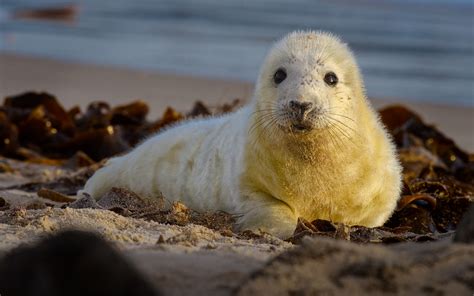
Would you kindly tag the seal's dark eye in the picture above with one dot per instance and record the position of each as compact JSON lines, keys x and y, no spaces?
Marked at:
{"x":331,"y":79}
{"x":279,"y":76}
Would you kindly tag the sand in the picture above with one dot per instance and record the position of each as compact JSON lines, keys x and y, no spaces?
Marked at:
{"x":194,"y":260}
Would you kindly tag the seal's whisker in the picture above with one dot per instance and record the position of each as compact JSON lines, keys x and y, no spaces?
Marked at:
{"x":263,"y":117}
{"x":342,"y":144}
{"x":336,"y":125}
{"x":259,"y":128}
{"x":333,"y":139}
{"x":347,"y":117}
{"x":264,"y":122}
{"x":341,"y":122}
{"x":264,"y":110}
{"x":271,"y":107}
{"x":255,"y":125}
{"x":337,"y":135}
{"x":343,"y":132}
{"x":271,"y":120}
{"x":266,"y":126}
{"x":258,"y":117}
{"x":259,"y":121}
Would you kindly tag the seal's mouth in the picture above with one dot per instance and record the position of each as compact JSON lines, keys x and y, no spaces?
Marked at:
{"x":294,"y":126}
{"x":304,"y":122}
{"x":301,"y":127}
{"x":300,"y":118}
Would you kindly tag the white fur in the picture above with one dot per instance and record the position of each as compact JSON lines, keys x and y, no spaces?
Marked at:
{"x":246,"y":163}
{"x":194,"y":162}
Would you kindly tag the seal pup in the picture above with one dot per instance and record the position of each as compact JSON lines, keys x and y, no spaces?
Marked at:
{"x":308,"y":145}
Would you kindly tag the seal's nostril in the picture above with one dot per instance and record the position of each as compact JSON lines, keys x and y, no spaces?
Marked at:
{"x":306,"y":105}
{"x":300,"y":106}
{"x":294,"y":105}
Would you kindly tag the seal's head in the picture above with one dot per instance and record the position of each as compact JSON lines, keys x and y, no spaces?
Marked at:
{"x":309,"y":83}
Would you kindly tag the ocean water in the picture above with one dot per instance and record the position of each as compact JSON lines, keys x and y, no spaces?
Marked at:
{"x":415,"y":50}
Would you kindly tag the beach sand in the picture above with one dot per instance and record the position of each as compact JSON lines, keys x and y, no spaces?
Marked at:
{"x":195,"y":260}
{"x":79,"y":84}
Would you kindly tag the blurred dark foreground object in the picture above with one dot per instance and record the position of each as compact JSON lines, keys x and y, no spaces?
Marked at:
{"x":465,"y":231}
{"x":70,"y":263}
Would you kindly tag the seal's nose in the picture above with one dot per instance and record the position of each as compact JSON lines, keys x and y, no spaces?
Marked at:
{"x":300,"y":107}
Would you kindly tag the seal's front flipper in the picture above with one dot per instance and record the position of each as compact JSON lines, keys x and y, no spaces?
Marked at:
{"x":267,"y":214}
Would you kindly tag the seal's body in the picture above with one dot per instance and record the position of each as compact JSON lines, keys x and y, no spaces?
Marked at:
{"x":308,"y":145}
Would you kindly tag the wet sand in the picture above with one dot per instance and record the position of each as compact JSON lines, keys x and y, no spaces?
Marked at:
{"x":79,"y":84}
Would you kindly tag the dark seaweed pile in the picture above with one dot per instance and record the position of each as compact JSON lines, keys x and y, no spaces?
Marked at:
{"x":438,"y":177}
{"x":35,"y":127}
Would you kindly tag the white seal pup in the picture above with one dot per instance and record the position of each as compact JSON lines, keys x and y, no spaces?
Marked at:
{"x":308,"y":145}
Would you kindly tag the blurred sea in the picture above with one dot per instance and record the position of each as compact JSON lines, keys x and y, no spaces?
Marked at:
{"x":411,"y":49}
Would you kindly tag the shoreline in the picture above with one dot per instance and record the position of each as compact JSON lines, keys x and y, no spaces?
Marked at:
{"x":80,"y":84}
